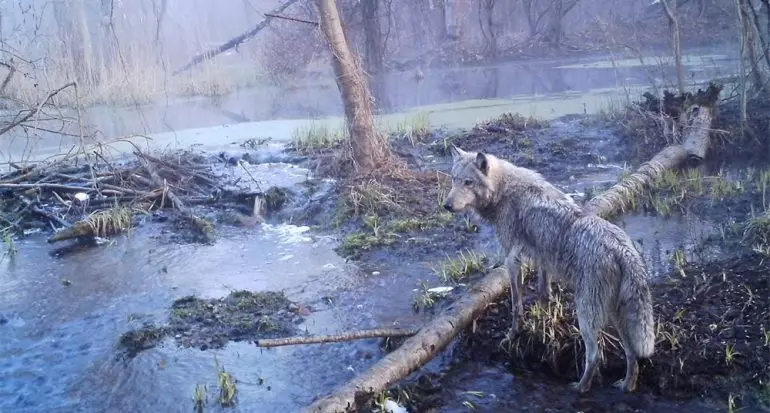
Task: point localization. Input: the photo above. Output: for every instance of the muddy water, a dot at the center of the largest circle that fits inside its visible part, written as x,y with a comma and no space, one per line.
58,348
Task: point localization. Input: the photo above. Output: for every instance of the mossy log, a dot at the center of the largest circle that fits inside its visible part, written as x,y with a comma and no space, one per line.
436,335
76,230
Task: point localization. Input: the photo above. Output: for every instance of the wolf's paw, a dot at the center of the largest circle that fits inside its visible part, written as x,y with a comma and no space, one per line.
582,389
622,385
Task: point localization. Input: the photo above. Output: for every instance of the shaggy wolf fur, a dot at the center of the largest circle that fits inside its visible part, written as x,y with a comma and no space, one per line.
593,256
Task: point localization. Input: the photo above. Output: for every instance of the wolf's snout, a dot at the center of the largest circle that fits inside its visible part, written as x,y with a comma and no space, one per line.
448,206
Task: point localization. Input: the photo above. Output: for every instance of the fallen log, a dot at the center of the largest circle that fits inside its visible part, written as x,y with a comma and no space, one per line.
436,335
337,338
695,143
208,54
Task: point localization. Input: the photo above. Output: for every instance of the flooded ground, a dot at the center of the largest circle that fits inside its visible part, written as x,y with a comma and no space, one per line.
62,317
59,348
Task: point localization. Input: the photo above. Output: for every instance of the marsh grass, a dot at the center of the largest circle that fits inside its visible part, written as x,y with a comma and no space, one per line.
459,268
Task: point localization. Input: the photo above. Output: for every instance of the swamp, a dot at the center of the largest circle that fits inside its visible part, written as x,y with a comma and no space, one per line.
202,233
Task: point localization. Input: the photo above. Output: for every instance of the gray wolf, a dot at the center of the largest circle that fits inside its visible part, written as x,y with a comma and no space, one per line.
593,256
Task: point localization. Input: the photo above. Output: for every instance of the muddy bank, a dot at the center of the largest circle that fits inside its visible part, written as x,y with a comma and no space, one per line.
712,338
211,323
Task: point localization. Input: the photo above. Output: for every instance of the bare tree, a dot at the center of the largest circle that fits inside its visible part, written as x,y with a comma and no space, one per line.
488,26
372,36
370,149
672,13
545,19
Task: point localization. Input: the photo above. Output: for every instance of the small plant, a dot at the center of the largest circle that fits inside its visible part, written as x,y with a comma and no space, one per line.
730,354
414,127
424,297
227,387
10,245
680,261
457,269
316,137
110,221
199,397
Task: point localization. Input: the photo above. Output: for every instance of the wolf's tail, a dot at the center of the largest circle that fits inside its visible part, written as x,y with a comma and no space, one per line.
635,303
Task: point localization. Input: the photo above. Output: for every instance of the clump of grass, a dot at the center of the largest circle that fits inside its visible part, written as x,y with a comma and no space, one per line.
227,387
730,354
424,298
515,122
421,224
10,244
316,137
199,397
722,188
415,127
110,221
370,198
356,243
459,268
679,259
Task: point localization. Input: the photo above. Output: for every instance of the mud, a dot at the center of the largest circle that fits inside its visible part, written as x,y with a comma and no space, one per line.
713,307
212,323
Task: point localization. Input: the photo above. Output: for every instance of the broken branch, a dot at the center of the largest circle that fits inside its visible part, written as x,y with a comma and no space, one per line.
336,338
234,42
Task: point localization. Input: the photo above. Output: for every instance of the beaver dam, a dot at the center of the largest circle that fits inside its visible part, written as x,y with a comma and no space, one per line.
414,264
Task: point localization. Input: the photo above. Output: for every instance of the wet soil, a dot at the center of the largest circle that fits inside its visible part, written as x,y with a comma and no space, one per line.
713,341
212,323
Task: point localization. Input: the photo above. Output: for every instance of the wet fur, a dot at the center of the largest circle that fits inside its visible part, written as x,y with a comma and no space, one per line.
593,256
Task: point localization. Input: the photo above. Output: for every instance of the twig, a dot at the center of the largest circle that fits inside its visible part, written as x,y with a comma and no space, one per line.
45,185
34,111
53,218
336,338
277,16
175,201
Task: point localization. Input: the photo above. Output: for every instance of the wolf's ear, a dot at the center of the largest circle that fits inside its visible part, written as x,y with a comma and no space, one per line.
457,153
481,162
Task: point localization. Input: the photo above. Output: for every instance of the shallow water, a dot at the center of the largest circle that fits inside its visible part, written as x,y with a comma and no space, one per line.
59,354
58,350
449,97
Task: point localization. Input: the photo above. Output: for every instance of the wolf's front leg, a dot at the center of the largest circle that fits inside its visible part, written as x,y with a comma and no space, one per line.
513,264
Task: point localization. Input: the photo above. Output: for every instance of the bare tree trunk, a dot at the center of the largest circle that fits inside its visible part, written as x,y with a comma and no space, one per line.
437,334
488,26
672,13
369,148
451,24
372,36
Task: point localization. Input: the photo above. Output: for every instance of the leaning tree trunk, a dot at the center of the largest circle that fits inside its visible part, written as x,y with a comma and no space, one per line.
436,335
369,147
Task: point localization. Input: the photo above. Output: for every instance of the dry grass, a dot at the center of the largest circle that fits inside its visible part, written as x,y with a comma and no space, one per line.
135,83
110,221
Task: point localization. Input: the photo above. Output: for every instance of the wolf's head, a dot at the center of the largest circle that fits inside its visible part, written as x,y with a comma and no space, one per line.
472,187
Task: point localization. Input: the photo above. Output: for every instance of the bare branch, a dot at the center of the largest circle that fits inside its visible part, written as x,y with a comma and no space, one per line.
291,18
32,112
336,338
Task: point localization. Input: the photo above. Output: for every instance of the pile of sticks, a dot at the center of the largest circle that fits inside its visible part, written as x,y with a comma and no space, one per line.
65,195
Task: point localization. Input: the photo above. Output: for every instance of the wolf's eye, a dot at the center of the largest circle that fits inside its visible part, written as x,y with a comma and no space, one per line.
468,182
